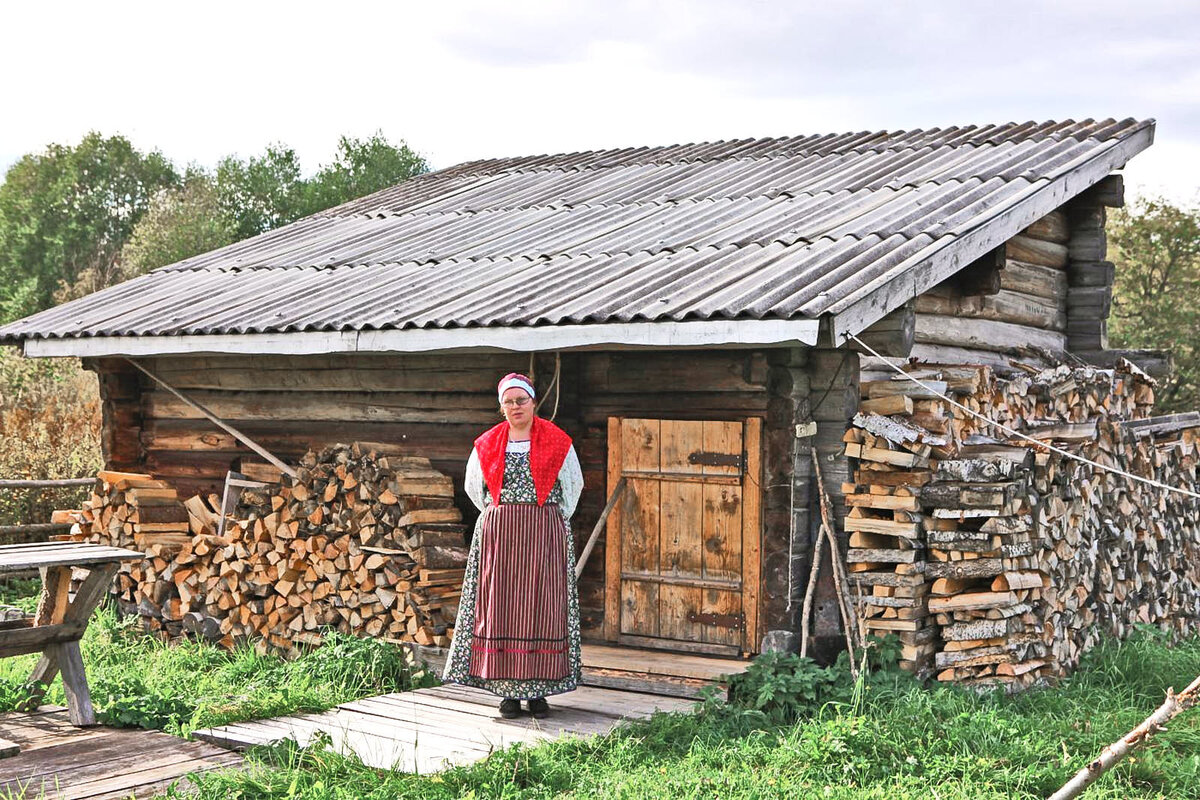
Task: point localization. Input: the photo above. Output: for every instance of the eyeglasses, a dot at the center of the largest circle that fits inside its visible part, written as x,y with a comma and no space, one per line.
516,402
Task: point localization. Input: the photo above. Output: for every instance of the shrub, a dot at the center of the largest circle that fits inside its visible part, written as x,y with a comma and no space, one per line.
49,428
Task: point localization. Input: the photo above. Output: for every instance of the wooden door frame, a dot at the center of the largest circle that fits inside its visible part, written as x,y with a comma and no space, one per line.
751,532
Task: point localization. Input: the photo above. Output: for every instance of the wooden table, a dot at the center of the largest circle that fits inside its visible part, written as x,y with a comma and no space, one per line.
60,621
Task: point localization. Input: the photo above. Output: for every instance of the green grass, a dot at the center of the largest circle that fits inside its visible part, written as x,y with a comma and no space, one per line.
796,731
889,739
136,680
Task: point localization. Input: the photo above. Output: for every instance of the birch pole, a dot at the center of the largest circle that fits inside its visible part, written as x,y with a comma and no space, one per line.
1136,738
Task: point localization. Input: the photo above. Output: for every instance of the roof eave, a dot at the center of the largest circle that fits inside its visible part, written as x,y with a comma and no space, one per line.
608,336
861,311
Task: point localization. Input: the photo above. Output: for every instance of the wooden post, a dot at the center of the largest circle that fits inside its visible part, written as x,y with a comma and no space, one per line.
834,375
786,484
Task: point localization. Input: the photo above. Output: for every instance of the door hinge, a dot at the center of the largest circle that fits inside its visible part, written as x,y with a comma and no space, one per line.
707,459
735,621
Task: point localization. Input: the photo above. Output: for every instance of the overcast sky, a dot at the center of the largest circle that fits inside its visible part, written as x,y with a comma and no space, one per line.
467,79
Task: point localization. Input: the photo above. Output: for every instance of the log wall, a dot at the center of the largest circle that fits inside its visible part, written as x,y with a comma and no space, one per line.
437,405
1048,290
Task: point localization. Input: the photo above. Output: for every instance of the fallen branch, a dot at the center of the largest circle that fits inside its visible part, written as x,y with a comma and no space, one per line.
1136,738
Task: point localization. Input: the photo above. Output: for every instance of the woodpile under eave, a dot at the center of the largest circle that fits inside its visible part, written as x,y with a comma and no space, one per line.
364,540
996,560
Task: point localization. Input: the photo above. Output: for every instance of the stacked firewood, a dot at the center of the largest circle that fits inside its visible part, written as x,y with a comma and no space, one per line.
986,570
1120,552
884,523
362,539
1015,557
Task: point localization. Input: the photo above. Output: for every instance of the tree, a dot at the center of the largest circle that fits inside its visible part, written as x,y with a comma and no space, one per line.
181,222
360,168
262,193
136,214
69,209
267,191
1156,299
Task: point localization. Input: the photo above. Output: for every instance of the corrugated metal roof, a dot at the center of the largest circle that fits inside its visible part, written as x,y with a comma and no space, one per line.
747,229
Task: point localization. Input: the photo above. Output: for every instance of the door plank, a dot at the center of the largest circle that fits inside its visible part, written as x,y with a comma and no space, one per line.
722,553
680,542
640,553
639,608
681,438
640,444
612,537
724,438
752,531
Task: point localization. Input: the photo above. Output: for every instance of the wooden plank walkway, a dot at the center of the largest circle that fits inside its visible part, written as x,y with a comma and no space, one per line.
58,760
429,729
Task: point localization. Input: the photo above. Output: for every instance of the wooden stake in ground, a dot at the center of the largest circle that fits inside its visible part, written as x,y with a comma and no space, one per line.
1117,751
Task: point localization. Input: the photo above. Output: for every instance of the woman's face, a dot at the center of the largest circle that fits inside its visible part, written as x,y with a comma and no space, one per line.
517,407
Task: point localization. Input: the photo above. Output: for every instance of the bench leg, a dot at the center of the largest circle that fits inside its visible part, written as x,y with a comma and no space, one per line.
79,699
55,608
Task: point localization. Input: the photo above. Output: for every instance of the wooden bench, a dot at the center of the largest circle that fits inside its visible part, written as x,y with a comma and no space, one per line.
60,621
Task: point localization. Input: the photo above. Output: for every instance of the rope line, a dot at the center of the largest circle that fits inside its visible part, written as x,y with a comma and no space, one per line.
1018,434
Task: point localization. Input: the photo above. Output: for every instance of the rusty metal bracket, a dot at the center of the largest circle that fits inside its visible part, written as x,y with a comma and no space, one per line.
708,459
735,621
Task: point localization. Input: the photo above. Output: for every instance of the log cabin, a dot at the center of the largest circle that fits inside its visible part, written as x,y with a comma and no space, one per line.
684,310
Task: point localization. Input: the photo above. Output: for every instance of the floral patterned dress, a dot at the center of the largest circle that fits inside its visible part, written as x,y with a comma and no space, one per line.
517,488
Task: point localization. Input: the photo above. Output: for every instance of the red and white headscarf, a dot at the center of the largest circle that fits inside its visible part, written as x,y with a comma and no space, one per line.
514,380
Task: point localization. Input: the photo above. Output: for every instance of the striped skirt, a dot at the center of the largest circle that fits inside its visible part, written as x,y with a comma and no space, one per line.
520,629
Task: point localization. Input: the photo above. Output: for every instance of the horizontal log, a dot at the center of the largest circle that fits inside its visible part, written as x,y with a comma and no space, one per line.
1046,283
1036,251
298,377
1169,423
1092,300
1088,245
33,528
1003,306
986,334
1091,273
56,483
890,336
439,407
974,568
1109,191
638,373
287,437
1051,228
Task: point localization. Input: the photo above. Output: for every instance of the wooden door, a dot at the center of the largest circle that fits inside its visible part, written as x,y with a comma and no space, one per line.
682,559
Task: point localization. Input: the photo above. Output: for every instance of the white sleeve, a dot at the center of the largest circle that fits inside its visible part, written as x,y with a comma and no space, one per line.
570,478
473,482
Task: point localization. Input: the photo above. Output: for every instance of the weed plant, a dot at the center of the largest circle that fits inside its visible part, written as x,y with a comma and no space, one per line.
795,730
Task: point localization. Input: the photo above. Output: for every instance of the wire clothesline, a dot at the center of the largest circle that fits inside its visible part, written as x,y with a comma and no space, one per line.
1018,434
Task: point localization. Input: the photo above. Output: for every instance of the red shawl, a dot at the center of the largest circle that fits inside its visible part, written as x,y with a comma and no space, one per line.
548,446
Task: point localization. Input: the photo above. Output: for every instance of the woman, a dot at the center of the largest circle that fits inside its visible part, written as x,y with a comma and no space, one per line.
517,633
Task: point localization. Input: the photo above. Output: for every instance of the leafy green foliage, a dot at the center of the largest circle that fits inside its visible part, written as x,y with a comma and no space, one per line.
67,209
1156,249
264,192
241,198
360,168
181,222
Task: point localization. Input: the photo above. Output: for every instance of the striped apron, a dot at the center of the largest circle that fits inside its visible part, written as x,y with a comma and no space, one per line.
521,601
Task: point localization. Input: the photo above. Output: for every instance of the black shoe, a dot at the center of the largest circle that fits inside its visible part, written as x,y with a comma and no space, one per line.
539,708
510,709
